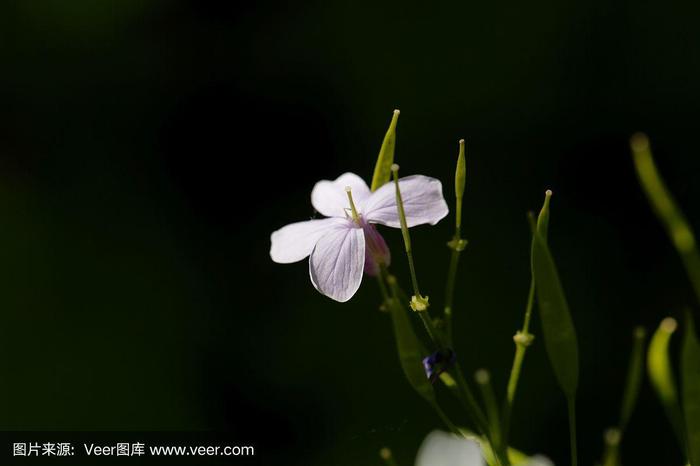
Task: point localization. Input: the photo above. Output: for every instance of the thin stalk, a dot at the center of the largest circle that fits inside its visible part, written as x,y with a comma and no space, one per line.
467,397
430,328
478,416
450,287
520,347
383,289
523,338
394,301
420,305
571,405
404,232
450,425
522,341
528,308
476,412
483,379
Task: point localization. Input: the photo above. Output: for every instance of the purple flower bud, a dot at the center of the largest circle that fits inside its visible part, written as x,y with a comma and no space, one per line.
438,362
376,251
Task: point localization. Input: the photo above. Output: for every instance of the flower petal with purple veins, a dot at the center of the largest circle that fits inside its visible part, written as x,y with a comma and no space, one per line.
329,198
337,262
423,202
295,241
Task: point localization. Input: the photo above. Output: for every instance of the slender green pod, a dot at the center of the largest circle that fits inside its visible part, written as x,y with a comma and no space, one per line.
633,382
661,375
382,169
670,215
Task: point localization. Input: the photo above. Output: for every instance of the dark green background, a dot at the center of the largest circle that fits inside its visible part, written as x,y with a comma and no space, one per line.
148,150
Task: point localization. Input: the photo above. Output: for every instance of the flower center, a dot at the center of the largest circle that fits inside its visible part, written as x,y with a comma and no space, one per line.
355,215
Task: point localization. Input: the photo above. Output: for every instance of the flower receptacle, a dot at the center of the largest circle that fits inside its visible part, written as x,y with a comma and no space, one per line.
419,303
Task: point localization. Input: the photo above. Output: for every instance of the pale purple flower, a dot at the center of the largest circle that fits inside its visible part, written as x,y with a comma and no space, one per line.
342,247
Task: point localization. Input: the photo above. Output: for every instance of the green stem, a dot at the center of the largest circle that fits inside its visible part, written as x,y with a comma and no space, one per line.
571,405
467,397
450,425
450,288
475,410
520,347
530,305
522,340
483,379
382,287
404,231
470,403
430,328
394,300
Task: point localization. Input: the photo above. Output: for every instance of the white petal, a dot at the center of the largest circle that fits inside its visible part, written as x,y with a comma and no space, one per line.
538,460
422,197
443,449
330,199
337,262
295,241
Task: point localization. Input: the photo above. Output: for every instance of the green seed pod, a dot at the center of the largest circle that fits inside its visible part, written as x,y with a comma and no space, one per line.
382,169
460,182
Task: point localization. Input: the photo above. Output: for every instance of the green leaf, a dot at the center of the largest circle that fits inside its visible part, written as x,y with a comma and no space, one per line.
661,375
382,169
690,371
410,352
557,326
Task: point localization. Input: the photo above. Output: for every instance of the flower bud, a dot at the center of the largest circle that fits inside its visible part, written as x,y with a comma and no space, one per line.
377,253
438,362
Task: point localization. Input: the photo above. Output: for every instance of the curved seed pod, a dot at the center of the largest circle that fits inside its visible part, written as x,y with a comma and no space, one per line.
661,375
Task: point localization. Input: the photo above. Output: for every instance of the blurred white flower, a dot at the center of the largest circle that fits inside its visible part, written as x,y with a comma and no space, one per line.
443,449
